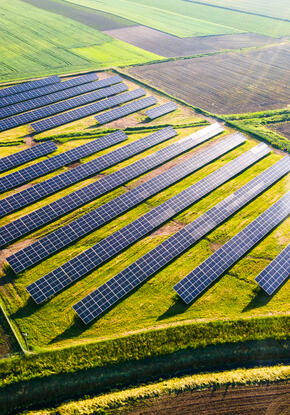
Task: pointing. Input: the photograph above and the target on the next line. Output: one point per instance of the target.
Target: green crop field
(35, 42)
(188, 19)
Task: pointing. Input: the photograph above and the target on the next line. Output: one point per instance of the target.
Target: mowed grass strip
(186, 19)
(154, 304)
(36, 42)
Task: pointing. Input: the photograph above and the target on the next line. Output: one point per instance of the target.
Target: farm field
(49, 44)
(168, 45)
(188, 19)
(234, 296)
(282, 128)
(227, 83)
(279, 9)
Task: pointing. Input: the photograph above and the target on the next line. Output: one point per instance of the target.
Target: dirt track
(245, 400)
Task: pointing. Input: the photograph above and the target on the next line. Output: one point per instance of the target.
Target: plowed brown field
(247, 400)
(225, 83)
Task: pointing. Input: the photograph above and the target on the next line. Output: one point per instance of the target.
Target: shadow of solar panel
(50, 89)
(46, 166)
(127, 280)
(213, 267)
(161, 110)
(82, 226)
(59, 96)
(125, 110)
(21, 157)
(276, 273)
(43, 112)
(66, 204)
(87, 110)
(28, 85)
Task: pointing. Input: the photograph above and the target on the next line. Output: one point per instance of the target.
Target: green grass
(119, 53)
(185, 19)
(154, 304)
(278, 9)
(36, 42)
(129, 398)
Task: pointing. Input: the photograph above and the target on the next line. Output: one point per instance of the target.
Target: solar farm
(142, 234)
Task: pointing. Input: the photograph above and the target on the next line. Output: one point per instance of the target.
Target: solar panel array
(161, 110)
(43, 112)
(37, 92)
(120, 285)
(275, 273)
(88, 109)
(213, 267)
(125, 110)
(66, 204)
(57, 96)
(25, 86)
(172, 247)
(29, 173)
(21, 157)
(89, 222)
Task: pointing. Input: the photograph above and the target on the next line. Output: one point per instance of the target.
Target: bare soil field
(171, 46)
(271, 399)
(282, 128)
(95, 19)
(226, 83)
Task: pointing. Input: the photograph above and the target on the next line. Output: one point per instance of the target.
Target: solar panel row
(66, 204)
(58, 96)
(37, 92)
(161, 110)
(46, 166)
(21, 157)
(213, 267)
(163, 254)
(43, 112)
(118, 241)
(276, 273)
(87, 110)
(25, 86)
(125, 110)
(127, 280)
(80, 227)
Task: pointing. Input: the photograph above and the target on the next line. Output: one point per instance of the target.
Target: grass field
(225, 83)
(188, 19)
(278, 9)
(154, 397)
(154, 304)
(36, 42)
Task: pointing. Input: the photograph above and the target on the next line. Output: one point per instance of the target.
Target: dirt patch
(273, 399)
(5, 253)
(169, 229)
(89, 17)
(226, 83)
(170, 46)
(282, 128)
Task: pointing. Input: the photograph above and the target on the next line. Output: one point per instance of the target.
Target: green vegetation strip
(101, 404)
(140, 346)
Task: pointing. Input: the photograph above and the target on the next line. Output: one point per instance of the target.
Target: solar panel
(41, 168)
(275, 273)
(21, 157)
(37, 92)
(66, 204)
(96, 303)
(78, 113)
(115, 243)
(43, 112)
(89, 222)
(16, 89)
(161, 110)
(125, 110)
(58, 96)
(213, 267)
